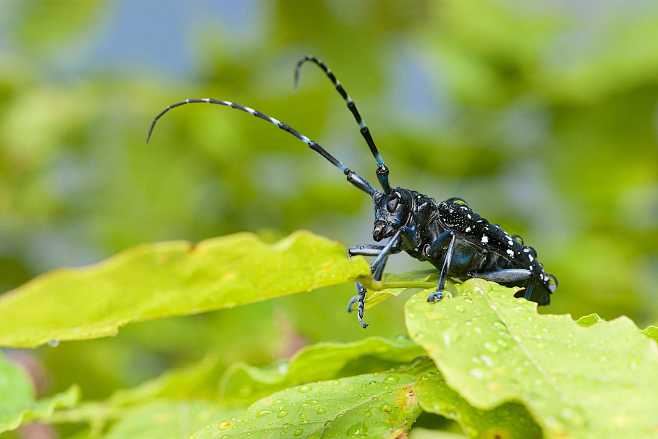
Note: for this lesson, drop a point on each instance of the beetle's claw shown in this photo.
(435, 297)
(350, 304)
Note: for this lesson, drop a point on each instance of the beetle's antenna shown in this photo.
(354, 178)
(382, 169)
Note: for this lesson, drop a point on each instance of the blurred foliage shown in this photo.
(543, 115)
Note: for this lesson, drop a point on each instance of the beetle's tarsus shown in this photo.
(435, 297)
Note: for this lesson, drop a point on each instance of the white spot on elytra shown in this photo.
(485, 239)
(468, 229)
(468, 216)
(510, 243)
(510, 252)
(531, 258)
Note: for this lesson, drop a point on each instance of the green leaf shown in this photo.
(493, 348)
(17, 403)
(195, 382)
(424, 433)
(379, 405)
(244, 384)
(651, 332)
(507, 421)
(167, 420)
(167, 279)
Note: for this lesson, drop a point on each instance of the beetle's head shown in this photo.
(391, 212)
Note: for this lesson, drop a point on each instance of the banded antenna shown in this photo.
(382, 169)
(354, 178)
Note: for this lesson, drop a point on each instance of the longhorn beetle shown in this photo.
(448, 234)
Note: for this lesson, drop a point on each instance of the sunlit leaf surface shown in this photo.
(379, 405)
(492, 348)
(507, 421)
(322, 361)
(175, 278)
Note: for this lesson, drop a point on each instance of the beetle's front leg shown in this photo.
(377, 269)
(365, 250)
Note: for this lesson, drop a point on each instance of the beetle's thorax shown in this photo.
(399, 208)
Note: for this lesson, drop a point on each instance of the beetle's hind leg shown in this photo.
(504, 276)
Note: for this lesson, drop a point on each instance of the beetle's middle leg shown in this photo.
(445, 268)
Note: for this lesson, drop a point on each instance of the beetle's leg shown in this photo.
(359, 298)
(527, 293)
(362, 250)
(366, 250)
(432, 250)
(377, 268)
(378, 271)
(445, 268)
(504, 276)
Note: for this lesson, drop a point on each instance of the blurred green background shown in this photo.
(543, 115)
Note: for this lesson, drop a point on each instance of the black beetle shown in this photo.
(448, 234)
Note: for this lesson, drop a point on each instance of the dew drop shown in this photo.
(225, 425)
(446, 339)
(282, 413)
(357, 430)
(391, 379)
(487, 360)
(304, 389)
(262, 413)
(490, 346)
(459, 308)
(53, 343)
(298, 431)
(320, 410)
(477, 373)
(386, 408)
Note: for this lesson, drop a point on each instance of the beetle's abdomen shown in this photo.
(498, 249)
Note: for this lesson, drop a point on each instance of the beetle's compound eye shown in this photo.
(392, 204)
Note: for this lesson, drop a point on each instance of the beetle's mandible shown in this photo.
(448, 234)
